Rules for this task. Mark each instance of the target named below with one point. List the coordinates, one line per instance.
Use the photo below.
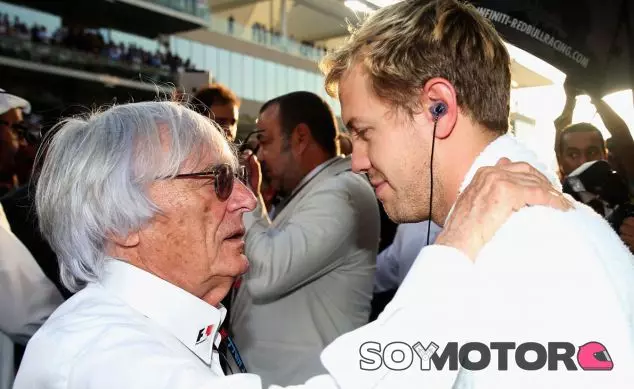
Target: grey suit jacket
(311, 275)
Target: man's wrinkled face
(9, 140)
(197, 240)
(391, 148)
(274, 152)
(578, 148)
(226, 115)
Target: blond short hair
(404, 45)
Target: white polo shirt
(130, 330)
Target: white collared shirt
(130, 330)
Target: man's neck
(462, 153)
(310, 162)
(212, 293)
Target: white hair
(96, 172)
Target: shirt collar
(191, 320)
(315, 171)
(507, 146)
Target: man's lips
(378, 186)
(238, 234)
(376, 183)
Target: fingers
(253, 166)
(508, 185)
(515, 185)
(246, 154)
(529, 189)
(503, 161)
(545, 196)
(489, 200)
(522, 167)
(504, 166)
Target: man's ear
(439, 90)
(130, 240)
(301, 138)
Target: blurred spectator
(315, 260)
(255, 32)
(11, 120)
(4, 24)
(580, 143)
(220, 104)
(27, 296)
(615, 161)
(230, 22)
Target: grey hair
(96, 171)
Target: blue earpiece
(437, 110)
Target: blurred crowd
(262, 34)
(92, 41)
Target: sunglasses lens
(224, 182)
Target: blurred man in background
(580, 143)
(219, 103)
(27, 296)
(12, 110)
(312, 264)
(621, 137)
(17, 201)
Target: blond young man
(421, 82)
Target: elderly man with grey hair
(142, 206)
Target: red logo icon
(594, 356)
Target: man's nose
(360, 161)
(242, 198)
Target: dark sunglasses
(245, 144)
(22, 130)
(16, 126)
(223, 177)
